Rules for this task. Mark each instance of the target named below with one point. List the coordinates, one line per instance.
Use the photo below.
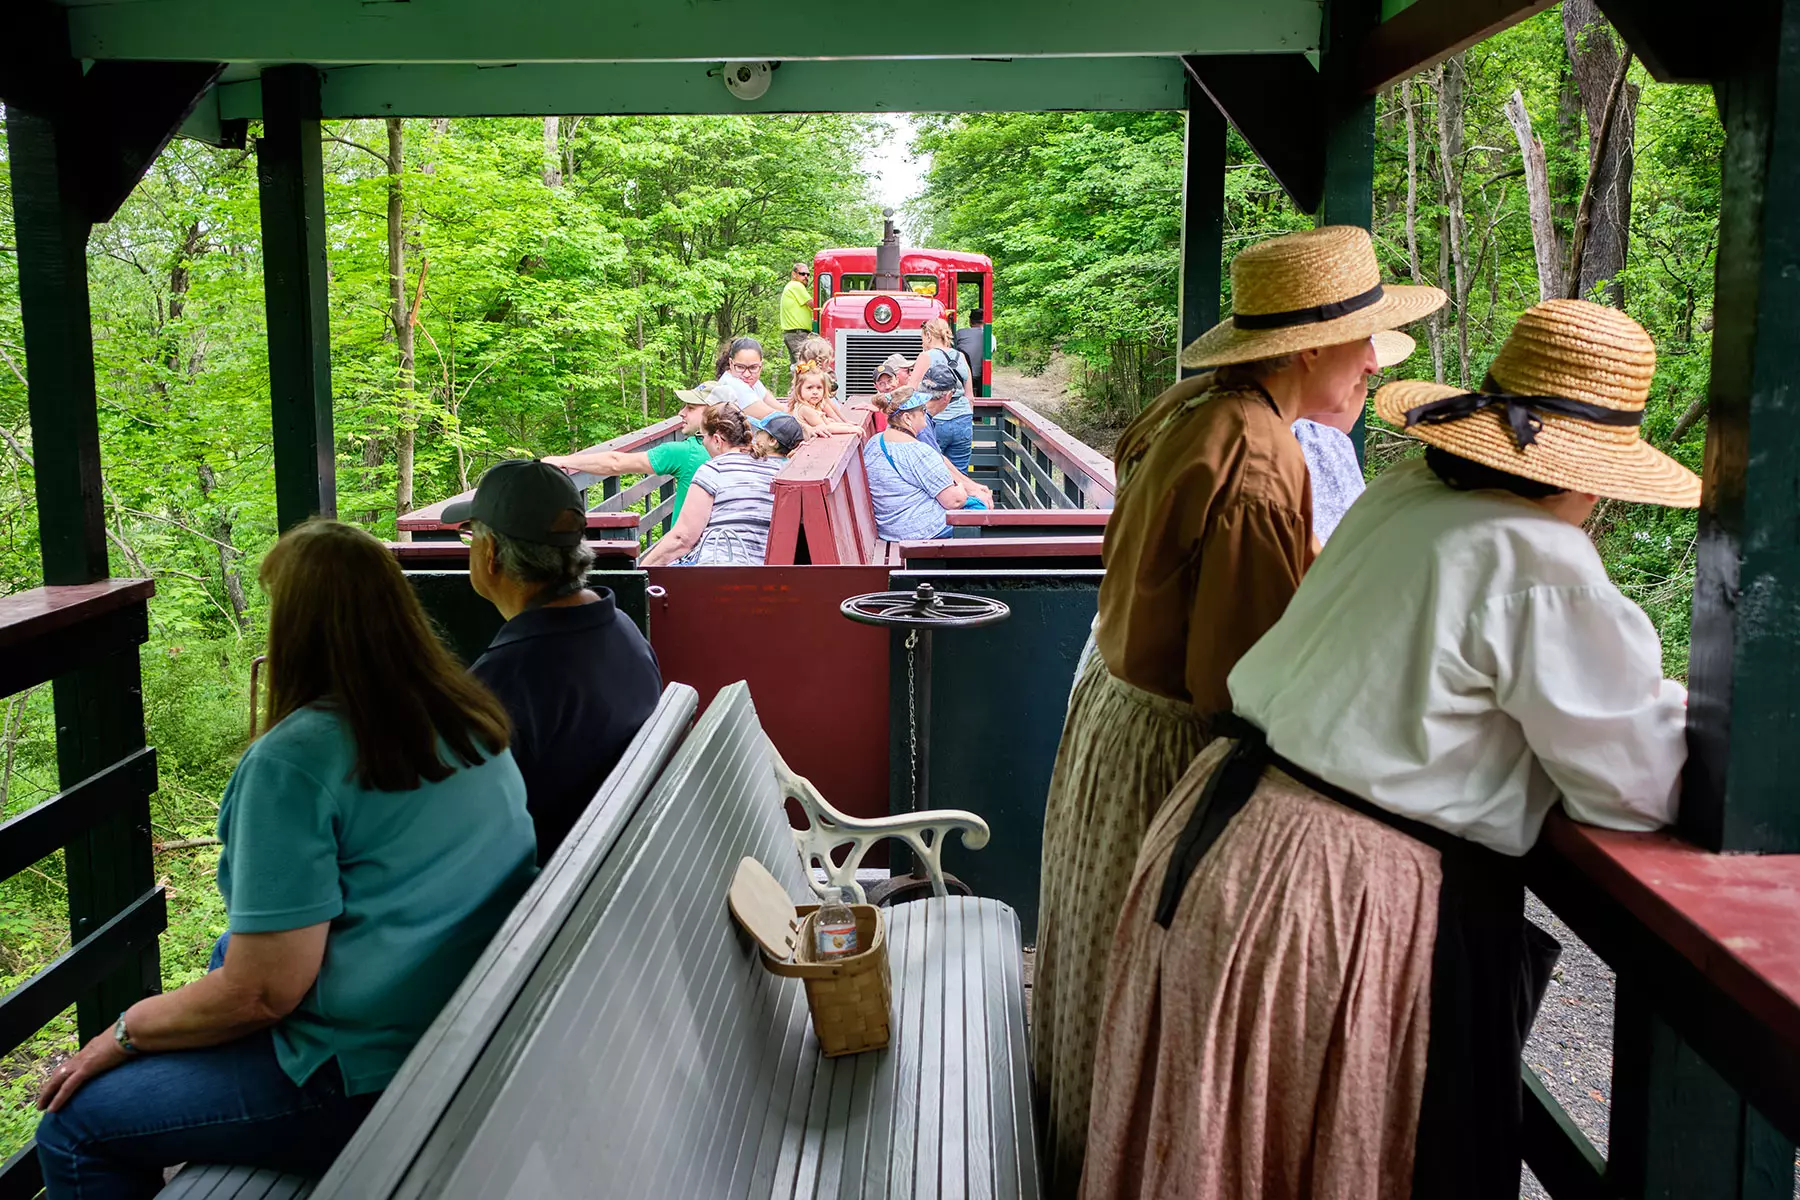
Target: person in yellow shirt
(797, 311)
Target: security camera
(747, 80)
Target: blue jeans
(225, 1104)
(955, 438)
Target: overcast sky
(897, 176)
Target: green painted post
(1743, 714)
(291, 175)
(1677, 1128)
(99, 709)
(1349, 133)
(1202, 219)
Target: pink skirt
(1271, 1043)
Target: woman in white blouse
(1322, 970)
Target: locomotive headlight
(883, 314)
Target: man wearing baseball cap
(797, 311)
(678, 460)
(575, 675)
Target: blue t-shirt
(414, 885)
(904, 492)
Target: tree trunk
(222, 532)
(401, 317)
(1434, 329)
(1598, 62)
(553, 173)
(1450, 154)
(1544, 239)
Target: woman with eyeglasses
(740, 366)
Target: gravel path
(1571, 1044)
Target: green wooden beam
(1273, 101)
(1202, 219)
(1427, 32)
(291, 178)
(1744, 708)
(50, 222)
(1677, 1128)
(1349, 186)
(909, 85)
(99, 708)
(359, 31)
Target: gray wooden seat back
(659, 1059)
(375, 1160)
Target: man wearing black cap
(575, 675)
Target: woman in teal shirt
(375, 838)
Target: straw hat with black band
(1561, 405)
(1303, 291)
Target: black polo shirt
(578, 682)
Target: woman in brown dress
(1322, 977)
(1209, 536)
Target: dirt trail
(1052, 392)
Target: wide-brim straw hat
(1560, 351)
(1302, 291)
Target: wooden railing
(84, 639)
(614, 515)
(1030, 462)
(1706, 1017)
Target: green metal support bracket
(1743, 712)
(1202, 218)
(291, 175)
(1273, 100)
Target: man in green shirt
(796, 312)
(678, 459)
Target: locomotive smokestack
(887, 255)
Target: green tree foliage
(553, 309)
(1081, 215)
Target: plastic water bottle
(834, 926)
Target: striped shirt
(737, 533)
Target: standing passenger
(942, 374)
(1210, 534)
(575, 675)
(797, 312)
(1322, 977)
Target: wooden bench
(823, 514)
(619, 1037)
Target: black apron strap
(1223, 798)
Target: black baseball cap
(524, 499)
(787, 431)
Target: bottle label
(835, 940)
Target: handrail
(50, 631)
(666, 430)
(1070, 455)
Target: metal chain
(912, 709)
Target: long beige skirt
(1122, 751)
(1271, 1042)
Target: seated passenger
(375, 838)
(812, 405)
(911, 485)
(678, 459)
(575, 675)
(726, 521)
(1322, 969)
(740, 366)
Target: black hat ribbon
(1525, 414)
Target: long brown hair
(346, 631)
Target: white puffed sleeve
(1580, 670)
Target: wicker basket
(851, 997)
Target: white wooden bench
(619, 1037)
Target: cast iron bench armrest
(828, 830)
